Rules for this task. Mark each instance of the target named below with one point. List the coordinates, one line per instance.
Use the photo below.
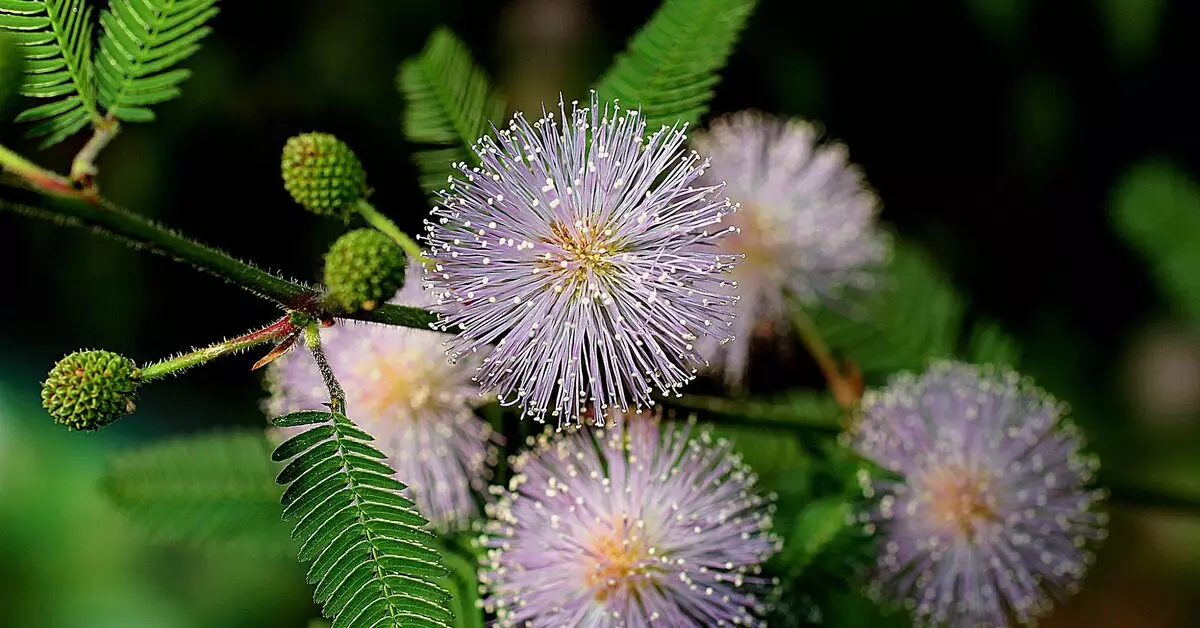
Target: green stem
(1143, 497)
(124, 225)
(39, 178)
(757, 413)
(384, 224)
(83, 167)
(277, 331)
(337, 397)
(844, 389)
(107, 219)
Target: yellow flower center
(402, 385)
(617, 555)
(956, 499)
(584, 252)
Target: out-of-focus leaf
(1156, 208)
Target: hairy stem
(83, 167)
(39, 178)
(279, 330)
(110, 220)
(384, 224)
(337, 397)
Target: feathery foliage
(212, 490)
(373, 563)
(1156, 208)
(56, 38)
(671, 66)
(142, 41)
(917, 316)
(449, 106)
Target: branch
(78, 210)
(758, 413)
(277, 331)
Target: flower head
(400, 389)
(87, 390)
(322, 174)
(586, 255)
(363, 268)
(635, 524)
(806, 227)
(990, 517)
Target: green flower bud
(12, 67)
(90, 389)
(323, 174)
(363, 269)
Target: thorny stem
(846, 386)
(337, 397)
(279, 330)
(83, 167)
(384, 224)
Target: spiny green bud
(12, 66)
(363, 269)
(90, 389)
(323, 174)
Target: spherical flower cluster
(363, 268)
(322, 174)
(400, 389)
(989, 518)
(635, 525)
(585, 253)
(87, 390)
(807, 224)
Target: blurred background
(995, 132)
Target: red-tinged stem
(280, 330)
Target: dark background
(993, 130)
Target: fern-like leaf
(56, 39)
(210, 490)
(142, 42)
(917, 317)
(671, 66)
(449, 105)
(373, 563)
(1156, 208)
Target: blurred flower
(400, 390)
(625, 526)
(806, 226)
(586, 255)
(990, 515)
(1163, 375)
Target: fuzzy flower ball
(641, 524)
(580, 259)
(400, 390)
(990, 516)
(807, 223)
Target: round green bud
(12, 67)
(90, 389)
(323, 174)
(363, 269)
